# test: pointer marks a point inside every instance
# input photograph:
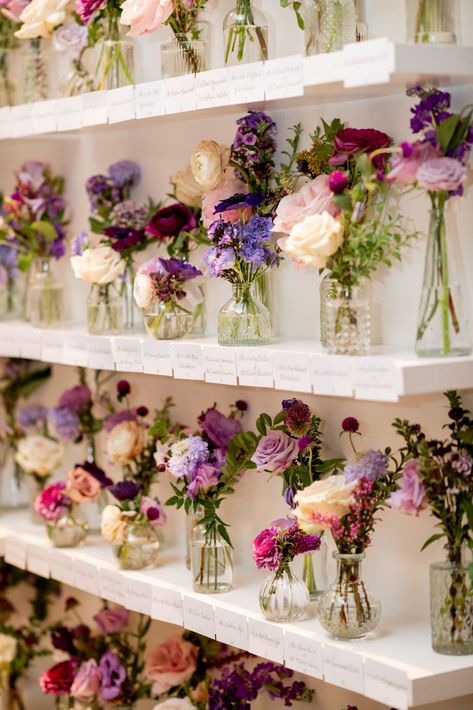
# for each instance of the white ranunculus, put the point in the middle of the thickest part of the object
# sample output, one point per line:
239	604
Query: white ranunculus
41	17
208	163
328	497
125	442
175	704
100	265
314	240
144	291
39	455
186	188
114	524
7	648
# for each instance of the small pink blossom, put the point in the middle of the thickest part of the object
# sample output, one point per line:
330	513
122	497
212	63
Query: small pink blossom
313	198
441	174
411	496
227	188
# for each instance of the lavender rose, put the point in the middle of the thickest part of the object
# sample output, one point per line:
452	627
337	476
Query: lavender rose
70	39
265	551
441	174
111	620
275	452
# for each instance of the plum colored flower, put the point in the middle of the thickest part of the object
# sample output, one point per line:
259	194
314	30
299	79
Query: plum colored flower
350	141
124	490
153	510
87	682
111	620
266	553
371	465
314	197
75	398
87	8
275	452
58	679
219	428
170	221
52	503
125	173
62	639
441	174
350	424
338	181
113	676
411	496
123	388
172	663
142	411
304	442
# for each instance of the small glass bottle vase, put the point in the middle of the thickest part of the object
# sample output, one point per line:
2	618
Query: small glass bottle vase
12	494
347	609
105	310
68	530
284	596
211	562
243	319
346	318
140	549
45	295
115	59
245	35
329	25
9	301
443	329
167	320
432	21
35	72
184	54
451	605
7	86
312	567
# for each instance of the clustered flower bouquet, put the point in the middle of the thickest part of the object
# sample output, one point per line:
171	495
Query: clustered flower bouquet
439	476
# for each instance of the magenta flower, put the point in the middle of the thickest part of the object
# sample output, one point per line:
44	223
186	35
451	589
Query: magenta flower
337	181
350	141
411	496
86	8
52	503
266	552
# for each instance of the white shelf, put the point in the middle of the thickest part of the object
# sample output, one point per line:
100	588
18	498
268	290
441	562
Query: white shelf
296	366
395	665
372	68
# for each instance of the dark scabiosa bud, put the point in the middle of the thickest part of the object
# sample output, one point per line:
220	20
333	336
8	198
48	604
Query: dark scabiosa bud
241	405
142	411
297	418
350	425
123	388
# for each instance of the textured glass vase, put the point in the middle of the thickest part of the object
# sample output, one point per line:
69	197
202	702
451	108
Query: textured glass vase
185	54
35	72
432	21
45	295
346	328
451	606
140	549
348	609
105	310
284	596
243	319
68	531
245	34
211	562
169	320
443	329
329	25
115	58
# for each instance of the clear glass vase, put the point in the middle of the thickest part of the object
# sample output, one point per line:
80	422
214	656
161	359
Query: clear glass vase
198	313
312	567
329	25
78	80
7	86
140	549
347	609
68	531
185	54
346	325
169	320
115	59
35	72
443	329
284	596
126	290
10	697
12	494
243	319
451	605
45	295
105	310
211	562
327	290
9	302
245	34
432	21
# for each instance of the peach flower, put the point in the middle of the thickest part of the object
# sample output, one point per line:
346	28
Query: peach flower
145	16
114	524
314	197
186	188
316	504
125	442
208	163
171	663
228	187
82	486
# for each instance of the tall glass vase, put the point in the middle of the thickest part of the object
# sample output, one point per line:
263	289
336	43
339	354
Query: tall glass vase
245	34
243	319
126	291
345	318
45	295
7	86
35	73
432	21
12	494
9	302
105	310
443	329
115	58
211	561
184	54
329	25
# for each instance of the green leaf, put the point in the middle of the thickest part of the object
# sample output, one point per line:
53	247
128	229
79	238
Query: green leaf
261	426
224	533
343	201
467	506
432	538
446	131
46	229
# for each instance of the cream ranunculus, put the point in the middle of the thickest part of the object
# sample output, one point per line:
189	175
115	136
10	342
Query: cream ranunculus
314	240
100	265
144	291
39	455
114	524
208	163
328	497
7	648
186	188
125	442
41	17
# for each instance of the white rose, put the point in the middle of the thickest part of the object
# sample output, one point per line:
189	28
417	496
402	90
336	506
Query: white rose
313	240
208	163
113	525
101	265
144	291
125	442
40	17
328	497
175	704
7	648
186	188
39	455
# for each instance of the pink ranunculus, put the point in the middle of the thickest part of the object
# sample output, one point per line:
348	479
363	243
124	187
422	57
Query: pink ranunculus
404	167
87	682
13	9
171	663
153	510
441	174
265	551
227	188
411	496
314	197
52	503
145	16
275	452
111	620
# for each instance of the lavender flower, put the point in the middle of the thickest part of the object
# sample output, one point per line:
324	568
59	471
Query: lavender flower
186	455
219	428
125	173
113	676
203	477
65	421
372	465
75	398
32	416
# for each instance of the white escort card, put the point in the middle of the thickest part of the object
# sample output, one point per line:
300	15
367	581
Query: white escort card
10	341
231	627
266	639
376	378
76	349
369	62
43	116
20	121
52	346
166	605
127	354
284	78
292	371
180	94
386	684
149	99
94	108
112	586
156	355
5	127
246	83
87	577
37	560
212	88
30	344
303	654
331	375
138	595
343	668
324	69
219	365
121	104
187	361
255	367
69	113
15	551
198	616
100	354
62	567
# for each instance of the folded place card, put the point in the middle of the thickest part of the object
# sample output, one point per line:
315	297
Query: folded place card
121	104
52	346
63	568
324	69
94	108
5	127
284	78
187	361
166	605
376	378
69	113
100	354
180	94
112	586
156	355
255	367
138	595
127	354
231	627
76	350
149	99
386	684
10	344
87	577
303	654
292	371
212	88
246	82
20	121
43	115
198	616
343	668
331	375
220	365
266	640
369	62
15	551
30	344
38	560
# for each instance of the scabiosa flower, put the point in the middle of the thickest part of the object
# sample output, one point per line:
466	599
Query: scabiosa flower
123	388
297	418
65	421
350	425
372	465
186	454
129	215
125	173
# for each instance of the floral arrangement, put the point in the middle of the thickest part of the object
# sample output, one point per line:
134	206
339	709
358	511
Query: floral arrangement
38	19
276	546
9	273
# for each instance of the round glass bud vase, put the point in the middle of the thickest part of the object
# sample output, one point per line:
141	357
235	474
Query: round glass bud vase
211	562
44	296
432	21
140	550
346	328
184	54
347	609
329	25
451	605
167	320
245	34
243	319
68	531
284	596
105	310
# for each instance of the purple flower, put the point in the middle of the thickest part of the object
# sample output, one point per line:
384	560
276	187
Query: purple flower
302	542
123	388
338	181
180	270
186	455
289	496
125	173
75	398
372	465
124	237
297	418
275	452
124	416
204	476
441	174
124	490
32	416
111	620
304	442
239	201
170	221
62	639
350	425
411	496
219	428
266	552
78	243
97	473
113	676
57	248
65	421
217	261
462	463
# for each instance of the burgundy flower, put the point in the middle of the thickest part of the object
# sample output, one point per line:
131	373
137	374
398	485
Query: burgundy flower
58	679
125	490
123	388
350	141
171	221
337	181
350	424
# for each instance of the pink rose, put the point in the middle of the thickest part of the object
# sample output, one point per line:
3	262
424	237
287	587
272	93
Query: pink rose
87	682
145	16
441	174
314	197
171	663
411	496
111	620
227	188
404	168
82	486
275	452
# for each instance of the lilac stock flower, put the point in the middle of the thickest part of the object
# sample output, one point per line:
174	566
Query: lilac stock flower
186	455
204	476
75	398
65	422
113	676
372	465
219	428
411	496
32	416
78	243
217	261
32	173
125	490
125	173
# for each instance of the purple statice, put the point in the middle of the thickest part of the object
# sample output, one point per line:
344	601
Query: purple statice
124	490
32	416
371	465
125	173
65	422
202	477
75	398
185	455
113	676
79	243
253	150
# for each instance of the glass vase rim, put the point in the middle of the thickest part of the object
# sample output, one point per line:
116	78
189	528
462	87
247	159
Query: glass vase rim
349	556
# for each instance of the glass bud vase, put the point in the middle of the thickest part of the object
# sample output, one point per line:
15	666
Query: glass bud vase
105	310
347	609
167	320
7	86
243	319
211	562
443	329
45	295
35	72
184	54
451	605
140	550
78	80
9	301
312	567
329	25
12	494
284	596
126	291
346	328
115	59
432	21
245	35
68	531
